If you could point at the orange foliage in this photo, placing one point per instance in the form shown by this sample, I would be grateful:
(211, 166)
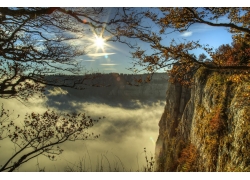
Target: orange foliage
(188, 158)
(216, 122)
(182, 73)
(238, 53)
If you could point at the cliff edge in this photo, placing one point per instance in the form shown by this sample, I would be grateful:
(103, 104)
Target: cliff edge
(206, 127)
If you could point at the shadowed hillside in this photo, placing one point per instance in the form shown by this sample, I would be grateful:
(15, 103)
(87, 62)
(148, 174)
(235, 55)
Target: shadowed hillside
(112, 89)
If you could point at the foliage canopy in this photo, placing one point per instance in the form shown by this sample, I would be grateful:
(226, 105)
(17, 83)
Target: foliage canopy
(226, 57)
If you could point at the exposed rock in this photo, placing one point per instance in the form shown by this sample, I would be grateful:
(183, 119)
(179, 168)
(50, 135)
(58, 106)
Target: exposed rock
(206, 127)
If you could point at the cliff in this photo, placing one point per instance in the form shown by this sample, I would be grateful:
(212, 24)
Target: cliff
(206, 127)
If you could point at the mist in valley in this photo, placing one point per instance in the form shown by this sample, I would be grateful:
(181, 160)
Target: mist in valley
(131, 121)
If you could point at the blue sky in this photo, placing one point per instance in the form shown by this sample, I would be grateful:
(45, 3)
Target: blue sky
(116, 56)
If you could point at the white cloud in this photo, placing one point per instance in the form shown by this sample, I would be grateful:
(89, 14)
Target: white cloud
(41, 40)
(99, 54)
(121, 128)
(89, 60)
(57, 91)
(108, 64)
(187, 34)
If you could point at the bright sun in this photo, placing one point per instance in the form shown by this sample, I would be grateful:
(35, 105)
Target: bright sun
(99, 42)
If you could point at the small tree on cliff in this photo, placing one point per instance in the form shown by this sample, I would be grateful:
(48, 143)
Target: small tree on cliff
(236, 54)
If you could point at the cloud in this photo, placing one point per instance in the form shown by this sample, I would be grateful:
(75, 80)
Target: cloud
(187, 34)
(57, 91)
(121, 123)
(99, 54)
(121, 129)
(41, 40)
(89, 60)
(128, 127)
(108, 64)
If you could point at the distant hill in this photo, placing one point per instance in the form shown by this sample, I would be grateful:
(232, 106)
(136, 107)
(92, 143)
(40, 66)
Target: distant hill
(113, 87)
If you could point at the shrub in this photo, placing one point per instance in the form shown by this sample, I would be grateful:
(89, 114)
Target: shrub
(187, 160)
(216, 123)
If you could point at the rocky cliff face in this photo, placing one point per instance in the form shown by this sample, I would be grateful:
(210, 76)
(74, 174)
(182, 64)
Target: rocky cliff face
(206, 127)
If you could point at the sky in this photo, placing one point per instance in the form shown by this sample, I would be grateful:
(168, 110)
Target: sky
(116, 57)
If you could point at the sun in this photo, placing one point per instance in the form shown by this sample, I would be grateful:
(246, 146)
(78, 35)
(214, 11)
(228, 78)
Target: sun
(99, 42)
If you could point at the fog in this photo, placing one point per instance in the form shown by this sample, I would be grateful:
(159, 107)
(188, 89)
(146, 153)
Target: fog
(129, 126)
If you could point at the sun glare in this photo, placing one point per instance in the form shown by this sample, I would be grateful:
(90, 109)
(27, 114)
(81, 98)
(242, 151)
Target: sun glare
(99, 42)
